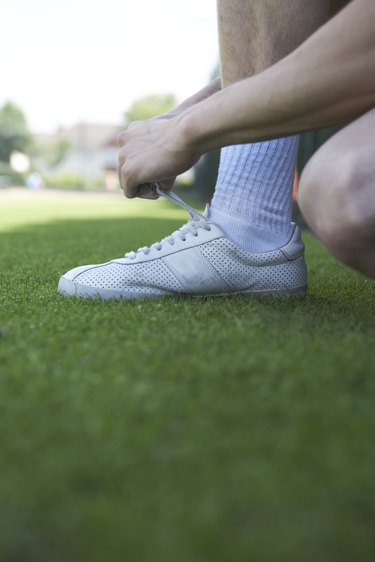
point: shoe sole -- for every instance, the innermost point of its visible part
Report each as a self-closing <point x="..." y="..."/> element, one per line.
<point x="70" y="289"/>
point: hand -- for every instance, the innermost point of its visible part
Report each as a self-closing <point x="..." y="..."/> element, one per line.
<point x="152" y="151"/>
<point x="144" y="191"/>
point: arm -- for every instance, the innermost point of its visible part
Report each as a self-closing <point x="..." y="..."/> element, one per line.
<point x="207" y="91"/>
<point x="329" y="79"/>
<point x="211" y="88"/>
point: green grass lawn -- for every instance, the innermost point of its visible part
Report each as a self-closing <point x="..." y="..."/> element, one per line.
<point x="185" y="430"/>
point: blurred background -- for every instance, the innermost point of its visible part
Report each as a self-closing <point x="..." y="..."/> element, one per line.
<point x="74" y="74"/>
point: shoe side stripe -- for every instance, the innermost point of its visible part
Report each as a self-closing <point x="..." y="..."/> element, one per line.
<point x="195" y="272"/>
<point x="214" y="271"/>
<point x="175" y="273"/>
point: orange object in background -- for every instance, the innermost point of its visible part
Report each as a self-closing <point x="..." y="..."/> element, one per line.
<point x="295" y="186"/>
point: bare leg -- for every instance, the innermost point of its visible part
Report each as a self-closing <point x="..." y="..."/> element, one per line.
<point x="254" y="34"/>
<point x="252" y="202"/>
<point x="337" y="194"/>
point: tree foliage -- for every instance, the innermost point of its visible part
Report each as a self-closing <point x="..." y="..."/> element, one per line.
<point x="55" y="152"/>
<point x="149" y="106"/>
<point x="14" y="132"/>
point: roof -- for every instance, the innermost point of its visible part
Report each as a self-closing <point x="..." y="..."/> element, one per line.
<point x="86" y="136"/>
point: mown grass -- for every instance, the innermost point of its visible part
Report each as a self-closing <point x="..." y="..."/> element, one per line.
<point x="185" y="430"/>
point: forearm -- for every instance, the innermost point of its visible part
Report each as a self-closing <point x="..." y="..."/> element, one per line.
<point x="327" y="80"/>
<point x="211" y="88"/>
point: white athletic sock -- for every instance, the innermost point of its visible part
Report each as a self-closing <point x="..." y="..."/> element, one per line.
<point x="252" y="202"/>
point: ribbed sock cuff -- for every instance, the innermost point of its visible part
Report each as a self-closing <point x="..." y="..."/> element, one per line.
<point x="246" y="236"/>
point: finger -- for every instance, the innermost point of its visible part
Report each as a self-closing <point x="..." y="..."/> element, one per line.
<point x="147" y="191"/>
<point x="121" y="156"/>
<point x="129" y="192"/>
<point x="128" y="186"/>
<point x="121" y="139"/>
<point x="119" y="175"/>
<point x="133" y="124"/>
<point x="121" y="159"/>
<point x="152" y="197"/>
<point x="167" y="184"/>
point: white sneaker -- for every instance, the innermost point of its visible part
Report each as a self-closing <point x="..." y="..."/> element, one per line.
<point x="198" y="259"/>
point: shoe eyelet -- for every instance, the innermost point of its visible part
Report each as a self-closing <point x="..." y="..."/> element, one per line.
<point x="209" y="229"/>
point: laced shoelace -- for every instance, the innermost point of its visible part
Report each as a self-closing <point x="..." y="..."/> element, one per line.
<point x="197" y="220"/>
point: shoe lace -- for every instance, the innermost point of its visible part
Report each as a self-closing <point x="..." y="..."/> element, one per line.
<point x="197" y="221"/>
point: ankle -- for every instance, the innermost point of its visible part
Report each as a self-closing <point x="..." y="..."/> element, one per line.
<point x="248" y="237"/>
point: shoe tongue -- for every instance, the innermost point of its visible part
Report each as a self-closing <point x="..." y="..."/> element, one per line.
<point x="207" y="211"/>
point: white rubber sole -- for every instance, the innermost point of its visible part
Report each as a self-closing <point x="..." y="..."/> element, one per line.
<point x="71" y="289"/>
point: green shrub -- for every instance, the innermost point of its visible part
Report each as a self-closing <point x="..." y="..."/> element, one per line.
<point x="66" y="181"/>
<point x="8" y="177"/>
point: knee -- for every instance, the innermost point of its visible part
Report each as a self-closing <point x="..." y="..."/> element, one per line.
<point x="337" y="200"/>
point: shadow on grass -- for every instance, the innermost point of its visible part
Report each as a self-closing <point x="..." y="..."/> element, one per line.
<point x="89" y="240"/>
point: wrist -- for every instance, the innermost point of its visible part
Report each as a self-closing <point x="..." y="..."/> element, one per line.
<point x="189" y="134"/>
<point x="169" y="115"/>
